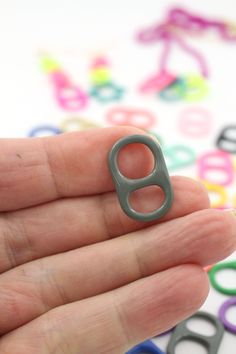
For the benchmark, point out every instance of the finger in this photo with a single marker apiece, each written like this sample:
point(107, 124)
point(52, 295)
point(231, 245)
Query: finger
point(115, 321)
point(66, 224)
point(34, 288)
point(38, 170)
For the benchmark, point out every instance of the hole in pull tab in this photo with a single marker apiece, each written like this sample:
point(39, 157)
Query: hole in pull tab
point(230, 133)
point(147, 199)
point(191, 347)
point(135, 160)
point(226, 278)
point(231, 315)
point(201, 326)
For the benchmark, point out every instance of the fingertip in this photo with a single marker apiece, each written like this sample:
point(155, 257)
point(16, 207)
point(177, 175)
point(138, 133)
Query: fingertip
point(193, 191)
point(161, 301)
point(227, 221)
point(187, 289)
point(220, 230)
point(194, 282)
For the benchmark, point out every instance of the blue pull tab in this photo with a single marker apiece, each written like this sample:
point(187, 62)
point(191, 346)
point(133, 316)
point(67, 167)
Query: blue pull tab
point(227, 139)
point(146, 347)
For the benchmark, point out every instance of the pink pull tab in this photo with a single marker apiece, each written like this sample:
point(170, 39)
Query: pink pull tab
point(131, 116)
point(69, 96)
point(216, 167)
point(157, 82)
point(195, 122)
point(59, 79)
point(100, 62)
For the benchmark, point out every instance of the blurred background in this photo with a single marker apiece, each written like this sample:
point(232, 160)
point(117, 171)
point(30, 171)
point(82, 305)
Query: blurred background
point(167, 67)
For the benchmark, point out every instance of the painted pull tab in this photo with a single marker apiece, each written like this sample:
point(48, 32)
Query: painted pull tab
point(179, 156)
point(157, 83)
point(174, 92)
point(146, 347)
point(227, 139)
point(213, 277)
point(125, 186)
point(211, 343)
point(140, 118)
point(229, 326)
point(69, 96)
point(107, 92)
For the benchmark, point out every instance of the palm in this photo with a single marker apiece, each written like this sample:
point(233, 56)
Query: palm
point(78, 275)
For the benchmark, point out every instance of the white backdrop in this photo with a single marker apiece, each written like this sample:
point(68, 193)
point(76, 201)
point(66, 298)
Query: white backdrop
point(73, 31)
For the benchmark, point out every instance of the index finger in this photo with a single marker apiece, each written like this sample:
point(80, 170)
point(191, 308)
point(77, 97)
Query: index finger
point(38, 170)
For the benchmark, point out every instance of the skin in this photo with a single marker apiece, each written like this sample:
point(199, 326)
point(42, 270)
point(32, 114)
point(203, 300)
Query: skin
point(79, 276)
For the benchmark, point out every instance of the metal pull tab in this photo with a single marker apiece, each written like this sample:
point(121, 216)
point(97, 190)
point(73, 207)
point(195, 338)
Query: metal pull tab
point(211, 343)
point(125, 186)
point(146, 347)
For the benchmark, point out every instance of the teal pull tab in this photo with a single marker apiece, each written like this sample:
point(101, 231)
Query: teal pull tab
point(107, 92)
point(227, 139)
point(125, 186)
point(174, 92)
point(179, 156)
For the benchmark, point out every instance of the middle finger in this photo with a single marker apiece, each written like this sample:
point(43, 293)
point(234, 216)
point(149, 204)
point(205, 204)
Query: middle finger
point(67, 224)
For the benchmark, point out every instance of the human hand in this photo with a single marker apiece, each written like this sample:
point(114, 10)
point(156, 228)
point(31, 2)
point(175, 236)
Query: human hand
point(77, 275)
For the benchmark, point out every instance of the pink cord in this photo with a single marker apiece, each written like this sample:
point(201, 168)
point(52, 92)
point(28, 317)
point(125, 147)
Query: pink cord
point(194, 53)
point(165, 55)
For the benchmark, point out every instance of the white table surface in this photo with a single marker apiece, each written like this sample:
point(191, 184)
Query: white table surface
point(73, 31)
